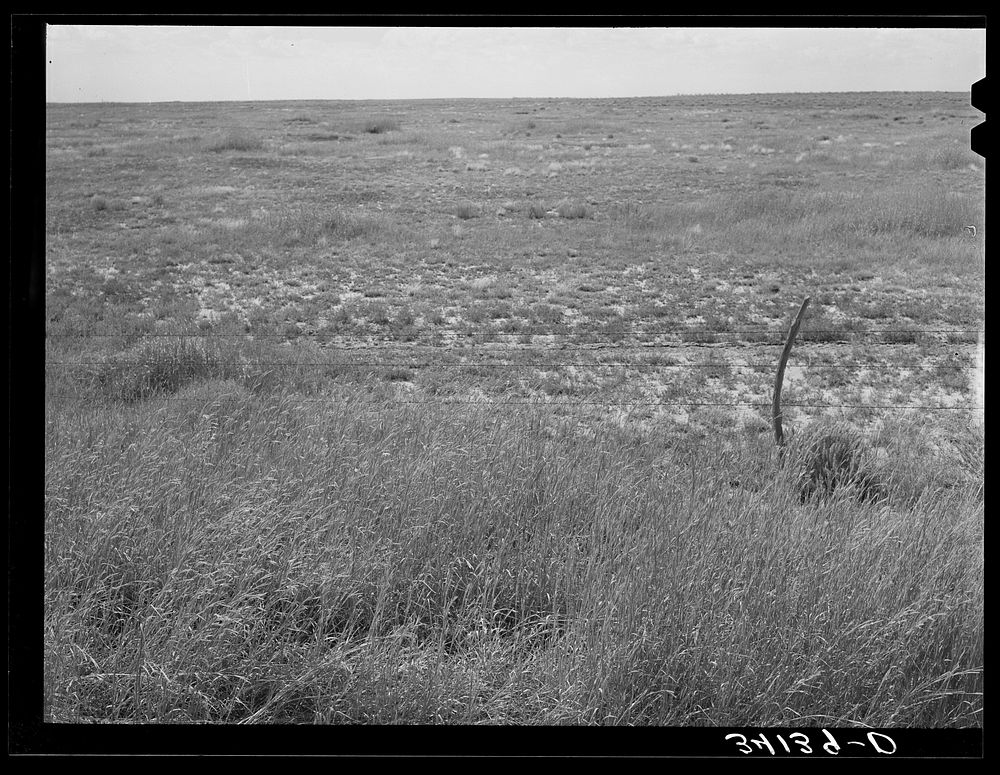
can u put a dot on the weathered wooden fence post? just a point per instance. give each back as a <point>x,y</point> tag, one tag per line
<point>779,436</point>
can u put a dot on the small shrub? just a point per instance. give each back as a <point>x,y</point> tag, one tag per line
<point>902,335</point>
<point>572,210</point>
<point>237,140</point>
<point>654,310</point>
<point>832,456</point>
<point>546,313</point>
<point>475,313</point>
<point>536,211</point>
<point>99,203</point>
<point>378,313</point>
<point>952,376</point>
<point>378,126</point>
<point>699,335</point>
<point>501,290</point>
<point>403,328</point>
<point>397,374</point>
<point>115,291</point>
<point>465,211</point>
<point>952,158</point>
<point>482,284</point>
<point>342,316</point>
<point>553,386</point>
<point>158,367</point>
<point>348,225</point>
<point>823,327</point>
<point>500,310</point>
<point>878,309</point>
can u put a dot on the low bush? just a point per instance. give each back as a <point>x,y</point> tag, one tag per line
<point>234,140</point>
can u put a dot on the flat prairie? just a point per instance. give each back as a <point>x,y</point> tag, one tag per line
<point>460,411</point>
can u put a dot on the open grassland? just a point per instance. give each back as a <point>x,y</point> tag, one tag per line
<point>458,412</point>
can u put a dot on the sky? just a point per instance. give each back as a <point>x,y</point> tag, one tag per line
<point>112,63</point>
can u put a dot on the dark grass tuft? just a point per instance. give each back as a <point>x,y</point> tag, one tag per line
<point>234,140</point>
<point>831,457</point>
<point>572,210</point>
<point>378,126</point>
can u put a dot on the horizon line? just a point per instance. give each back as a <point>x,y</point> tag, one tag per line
<point>547,97</point>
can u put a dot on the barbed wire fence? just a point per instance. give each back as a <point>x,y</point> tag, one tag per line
<point>411,352</point>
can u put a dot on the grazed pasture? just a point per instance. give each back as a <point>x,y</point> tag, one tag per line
<point>457,411</point>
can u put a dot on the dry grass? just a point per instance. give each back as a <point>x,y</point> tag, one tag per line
<point>466,211</point>
<point>234,140</point>
<point>272,560</point>
<point>323,447</point>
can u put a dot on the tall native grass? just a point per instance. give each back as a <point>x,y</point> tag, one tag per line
<point>172,365</point>
<point>283,228</point>
<point>872,222</point>
<point>223,555</point>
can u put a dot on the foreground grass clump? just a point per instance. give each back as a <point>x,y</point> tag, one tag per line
<point>159,366</point>
<point>174,366</point>
<point>252,557</point>
<point>831,457</point>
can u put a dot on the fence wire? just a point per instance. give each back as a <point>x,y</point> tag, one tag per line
<point>947,363</point>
